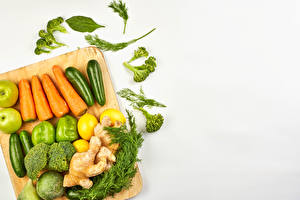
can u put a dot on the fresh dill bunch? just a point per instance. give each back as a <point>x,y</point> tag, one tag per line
<point>107,46</point>
<point>120,8</point>
<point>120,175</point>
<point>138,100</point>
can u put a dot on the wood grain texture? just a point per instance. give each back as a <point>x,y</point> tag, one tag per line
<point>78,59</point>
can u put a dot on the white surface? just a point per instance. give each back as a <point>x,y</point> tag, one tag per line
<point>229,73</point>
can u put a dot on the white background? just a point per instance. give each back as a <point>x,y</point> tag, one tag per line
<point>228,71</point>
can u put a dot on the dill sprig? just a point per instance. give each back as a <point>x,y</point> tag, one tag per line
<point>138,100</point>
<point>107,46</point>
<point>120,175</point>
<point>120,8</point>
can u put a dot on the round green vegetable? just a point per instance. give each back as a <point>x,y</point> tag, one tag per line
<point>80,84</point>
<point>50,185</point>
<point>96,81</point>
<point>26,141</point>
<point>16,155</point>
<point>44,132</point>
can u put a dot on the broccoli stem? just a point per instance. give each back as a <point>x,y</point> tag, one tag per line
<point>59,44</point>
<point>132,59</point>
<point>61,29</point>
<point>51,47</point>
<point>145,112</point>
<point>128,66</point>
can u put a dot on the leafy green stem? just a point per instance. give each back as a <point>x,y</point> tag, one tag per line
<point>134,40</point>
<point>108,46</point>
<point>125,23</point>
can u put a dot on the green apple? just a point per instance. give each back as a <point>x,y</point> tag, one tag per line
<point>8,93</point>
<point>10,120</point>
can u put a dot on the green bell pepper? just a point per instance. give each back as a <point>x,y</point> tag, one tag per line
<point>66,129</point>
<point>44,132</point>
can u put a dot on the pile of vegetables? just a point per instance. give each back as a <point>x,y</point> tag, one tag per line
<point>51,148</point>
<point>55,157</point>
<point>41,150</point>
<point>119,177</point>
<point>43,100</point>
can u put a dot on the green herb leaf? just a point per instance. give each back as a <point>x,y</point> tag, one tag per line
<point>107,46</point>
<point>120,7</point>
<point>138,100</point>
<point>83,24</point>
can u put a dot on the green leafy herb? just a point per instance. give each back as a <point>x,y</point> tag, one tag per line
<point>120,7</point>
<point>83,24</point>
<point>120,175</point>
<point>138,100</point>
<point>107,46</point>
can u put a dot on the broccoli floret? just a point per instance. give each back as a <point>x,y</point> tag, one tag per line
<point>154,122</point>
<point>57,158</point>
<point>140,72</point>
<point>49,38</point>
<point>151,63</point>
<point>140,52</point>
<point>36,160</point>
<point>68,148</point>
<point>39,51</point>
<point>42,43</point>
<point>55,25</point>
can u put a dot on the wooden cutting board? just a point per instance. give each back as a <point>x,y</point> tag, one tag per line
<point>78,59</point>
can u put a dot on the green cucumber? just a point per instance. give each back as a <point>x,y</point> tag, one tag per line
<point>16,155</point>
<point>96,81</point>
<point>80,84</point>
<point>26,141</point>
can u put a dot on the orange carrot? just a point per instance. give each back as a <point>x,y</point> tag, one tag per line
<point>43,110</point>
<point>75,102</point>
<point>57,104</point>
<point>26,101</point>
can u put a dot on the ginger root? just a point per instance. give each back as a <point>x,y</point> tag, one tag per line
<point>82,166</point>
<point>99,158</point>
<point>104,136</point>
